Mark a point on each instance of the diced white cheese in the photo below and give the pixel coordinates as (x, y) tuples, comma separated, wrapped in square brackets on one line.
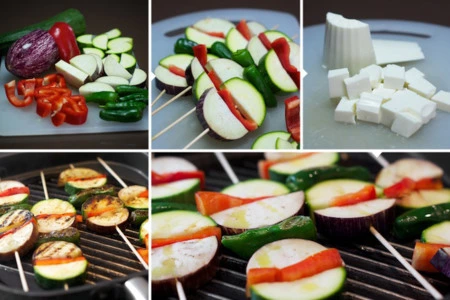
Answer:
[(442, 100), (336, 86), (345, 111), (422, 87), (412, 74), (374, 72), (357, 84), (383, 92), (394, 77), (406, 124), (392, 52), (369, 111), (371, 97)]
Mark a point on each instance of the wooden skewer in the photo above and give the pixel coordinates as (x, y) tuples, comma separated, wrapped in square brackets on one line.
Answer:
[(171, 100), (180, 291), (72, 166), (23, 280), (226, 165), (112, 172), (157, 98), (196, 139), (294, 36), (173, 124)]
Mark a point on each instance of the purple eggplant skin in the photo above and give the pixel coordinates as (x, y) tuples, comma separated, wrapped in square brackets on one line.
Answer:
[(343, 228), (441, 261), (189, 76), (201, 117), (171, 89), (32, 54)]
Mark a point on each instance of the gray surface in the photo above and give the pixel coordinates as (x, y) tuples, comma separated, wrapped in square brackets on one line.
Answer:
[(180, 135), (320, 129)]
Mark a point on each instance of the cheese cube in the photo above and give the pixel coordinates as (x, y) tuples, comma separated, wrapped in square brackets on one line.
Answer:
[(369, 111), (336, 86), (412, 74), (394, 77), (406, 124), (374, 72), (371, 97), (383, 92), (357, 84), (422, 87), (345, 111), (442, 100)]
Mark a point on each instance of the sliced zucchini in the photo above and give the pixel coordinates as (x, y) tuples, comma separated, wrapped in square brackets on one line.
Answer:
[(73, 187), (273, 35), (52, 206), (114, 43), (14, 199), (277, 74), (79, 198), (137, 217), (281, 144), (201, 84), (225, 69), (254, 188), (70, 234), (53, 215), (100, 42), (214, 25), (201, 38), (158, 207), (128, 61), (424, 198), (103, 213), (65, 175), (85, 40), (172, 223), (196, 68), (256, 48), (113, 33), (130, 196), (268, 140), (143, 231), (437, 234), (181, 61), (90, 50), (255, 28), (235, 40)]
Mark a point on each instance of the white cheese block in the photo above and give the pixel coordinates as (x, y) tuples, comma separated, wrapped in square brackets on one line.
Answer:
[(357, 84), (391, 52), (336, 85), (442, 100), (368, 111), (394, 77), (374, 72), (383, 92), (377, 99), (406, 124), (412, 74), (345, 111), (422, 87)]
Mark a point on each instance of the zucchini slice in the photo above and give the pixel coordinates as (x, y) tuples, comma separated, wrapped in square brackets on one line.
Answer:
[(85, 40), (130, 196), (143, 231), (437, 234), (103, 213), (201, 84), (113, 33), (54, 214), (79, 198), (277, 74), (137, 217), (90, 50), (70, 234), (75, 186)]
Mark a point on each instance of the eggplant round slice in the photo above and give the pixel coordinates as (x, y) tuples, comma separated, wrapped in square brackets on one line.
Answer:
[(58, 263), (18, 232), (75, 173), (54, 214), (103, 213), (130, 196)]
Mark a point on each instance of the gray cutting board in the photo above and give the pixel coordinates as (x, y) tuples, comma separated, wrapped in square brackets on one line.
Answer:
[(320, 131), (180, 135), (24, 121)]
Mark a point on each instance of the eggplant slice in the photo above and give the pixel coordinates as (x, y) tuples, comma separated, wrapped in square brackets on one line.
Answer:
[(103, 213)]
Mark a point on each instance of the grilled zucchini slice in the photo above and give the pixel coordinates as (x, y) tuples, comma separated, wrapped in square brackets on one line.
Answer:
[(54, 214), (131, 197)]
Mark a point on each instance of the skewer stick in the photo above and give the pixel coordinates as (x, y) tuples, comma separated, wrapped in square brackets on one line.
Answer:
[(66, 287), (157, 98), (23, 280), (226, 165), (44, 185), (72, 166), (111, 171), (196, 139), (173, 124), (171, 100), (294, 36), (180, 291)]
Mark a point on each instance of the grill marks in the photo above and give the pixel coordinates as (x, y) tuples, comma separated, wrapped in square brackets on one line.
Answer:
[(57, 249), (14, 220)]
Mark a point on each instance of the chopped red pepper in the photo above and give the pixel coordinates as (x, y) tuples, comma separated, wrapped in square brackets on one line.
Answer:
[(177, 71), (365, 194), (248, 124), (144, 194), (209, 203), (56, 216), (10, 90), (422, 255), (158, 179), (265, 41), (143, 253), (86, 178), (243, 29), (26, 87), (282, 49), (54, 80), (216, 34), (400, 189), (58, 119), (65, 39), (15, 191), (292, 116), (201, 52), (429, 184), (203, 233), (75, 109), (57, 261), (264, 165), (215, 79)]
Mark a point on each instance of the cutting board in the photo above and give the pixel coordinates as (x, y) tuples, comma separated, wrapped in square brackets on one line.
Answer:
[(24, 121), (162, 45), (320, 129)]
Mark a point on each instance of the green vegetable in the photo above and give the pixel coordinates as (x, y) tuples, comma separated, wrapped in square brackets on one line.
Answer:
[(158, 207), (243, 57), (246, 243), (124, 90), (303, 180), (102, 98), (413, 222), (138, 216), (70, 234), (184, 46), (141, 97), (221, 50), (122, 115), (125, 105), (79, 198), (7, 209), (71, 16), (254, 76), (262, 69)]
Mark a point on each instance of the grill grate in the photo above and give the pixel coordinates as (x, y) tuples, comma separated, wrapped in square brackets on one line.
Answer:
[(372, 272)]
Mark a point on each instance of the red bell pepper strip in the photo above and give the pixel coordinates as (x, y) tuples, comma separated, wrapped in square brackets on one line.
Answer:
[(86, 178), (203, 233), (215, 79), (265, 41), (215, 34), (264, 165), (282, 49), (54, 80), (292, 117), (144, 194), (65, 39), (10, 90), (243, 29), (177, 71), (422, 255), (75, 109), (15, 191), (58, 119), (260, 275), (100, 211), (209, 203), (429, 184), (56, 216), (57, 261), (201, 52), (400, 189), (248, 124), (26, 87), (158, 179), (365, 194), (144, 254)]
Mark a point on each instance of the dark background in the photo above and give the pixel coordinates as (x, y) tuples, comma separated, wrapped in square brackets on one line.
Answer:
[(434, 11), (131, 17)]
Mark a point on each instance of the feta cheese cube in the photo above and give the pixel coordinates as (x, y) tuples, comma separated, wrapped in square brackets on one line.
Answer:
[(345, 111), (369, 111), (422, 87), (374, 72), (371, 97), (357, 84), (394, 77), (412, 74), (406, 124), (442, 100), (383, 92), (336, 86)]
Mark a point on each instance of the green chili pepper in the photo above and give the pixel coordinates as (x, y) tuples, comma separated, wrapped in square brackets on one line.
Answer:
[(183, 45), (221, 50), (303, 180), (124, 90), (253, 75), (141, 97), (158, 207), (125, 105), (247, 243), (413, 222), (138, 216), (122, 115), (102, 97), (243, 57), (79, 198)]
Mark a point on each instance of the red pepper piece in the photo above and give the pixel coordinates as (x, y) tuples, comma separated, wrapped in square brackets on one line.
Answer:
[(264, 165), (58, 119), (226, 96), (292, 117), (10, 90), (401, 188), (177, 71), (242, 27), (86, 178), (203, 233), (15, 191), (158, 179), (144, 194), (215, 79), (216, 34), (75, 109), (201, 52), (26, 87), (263, 38), (52, 92), (422, 255), (65, 39), (429, 184), (365, 194), (43, 107), (282, 49), (54, 80), (209, 203)]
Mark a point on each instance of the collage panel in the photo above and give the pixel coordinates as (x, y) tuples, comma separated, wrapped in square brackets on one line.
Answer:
[(74, 75), (377, 77), (227, 75)]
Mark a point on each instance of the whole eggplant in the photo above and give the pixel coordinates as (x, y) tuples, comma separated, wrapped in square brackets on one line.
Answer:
[(32, 55)]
